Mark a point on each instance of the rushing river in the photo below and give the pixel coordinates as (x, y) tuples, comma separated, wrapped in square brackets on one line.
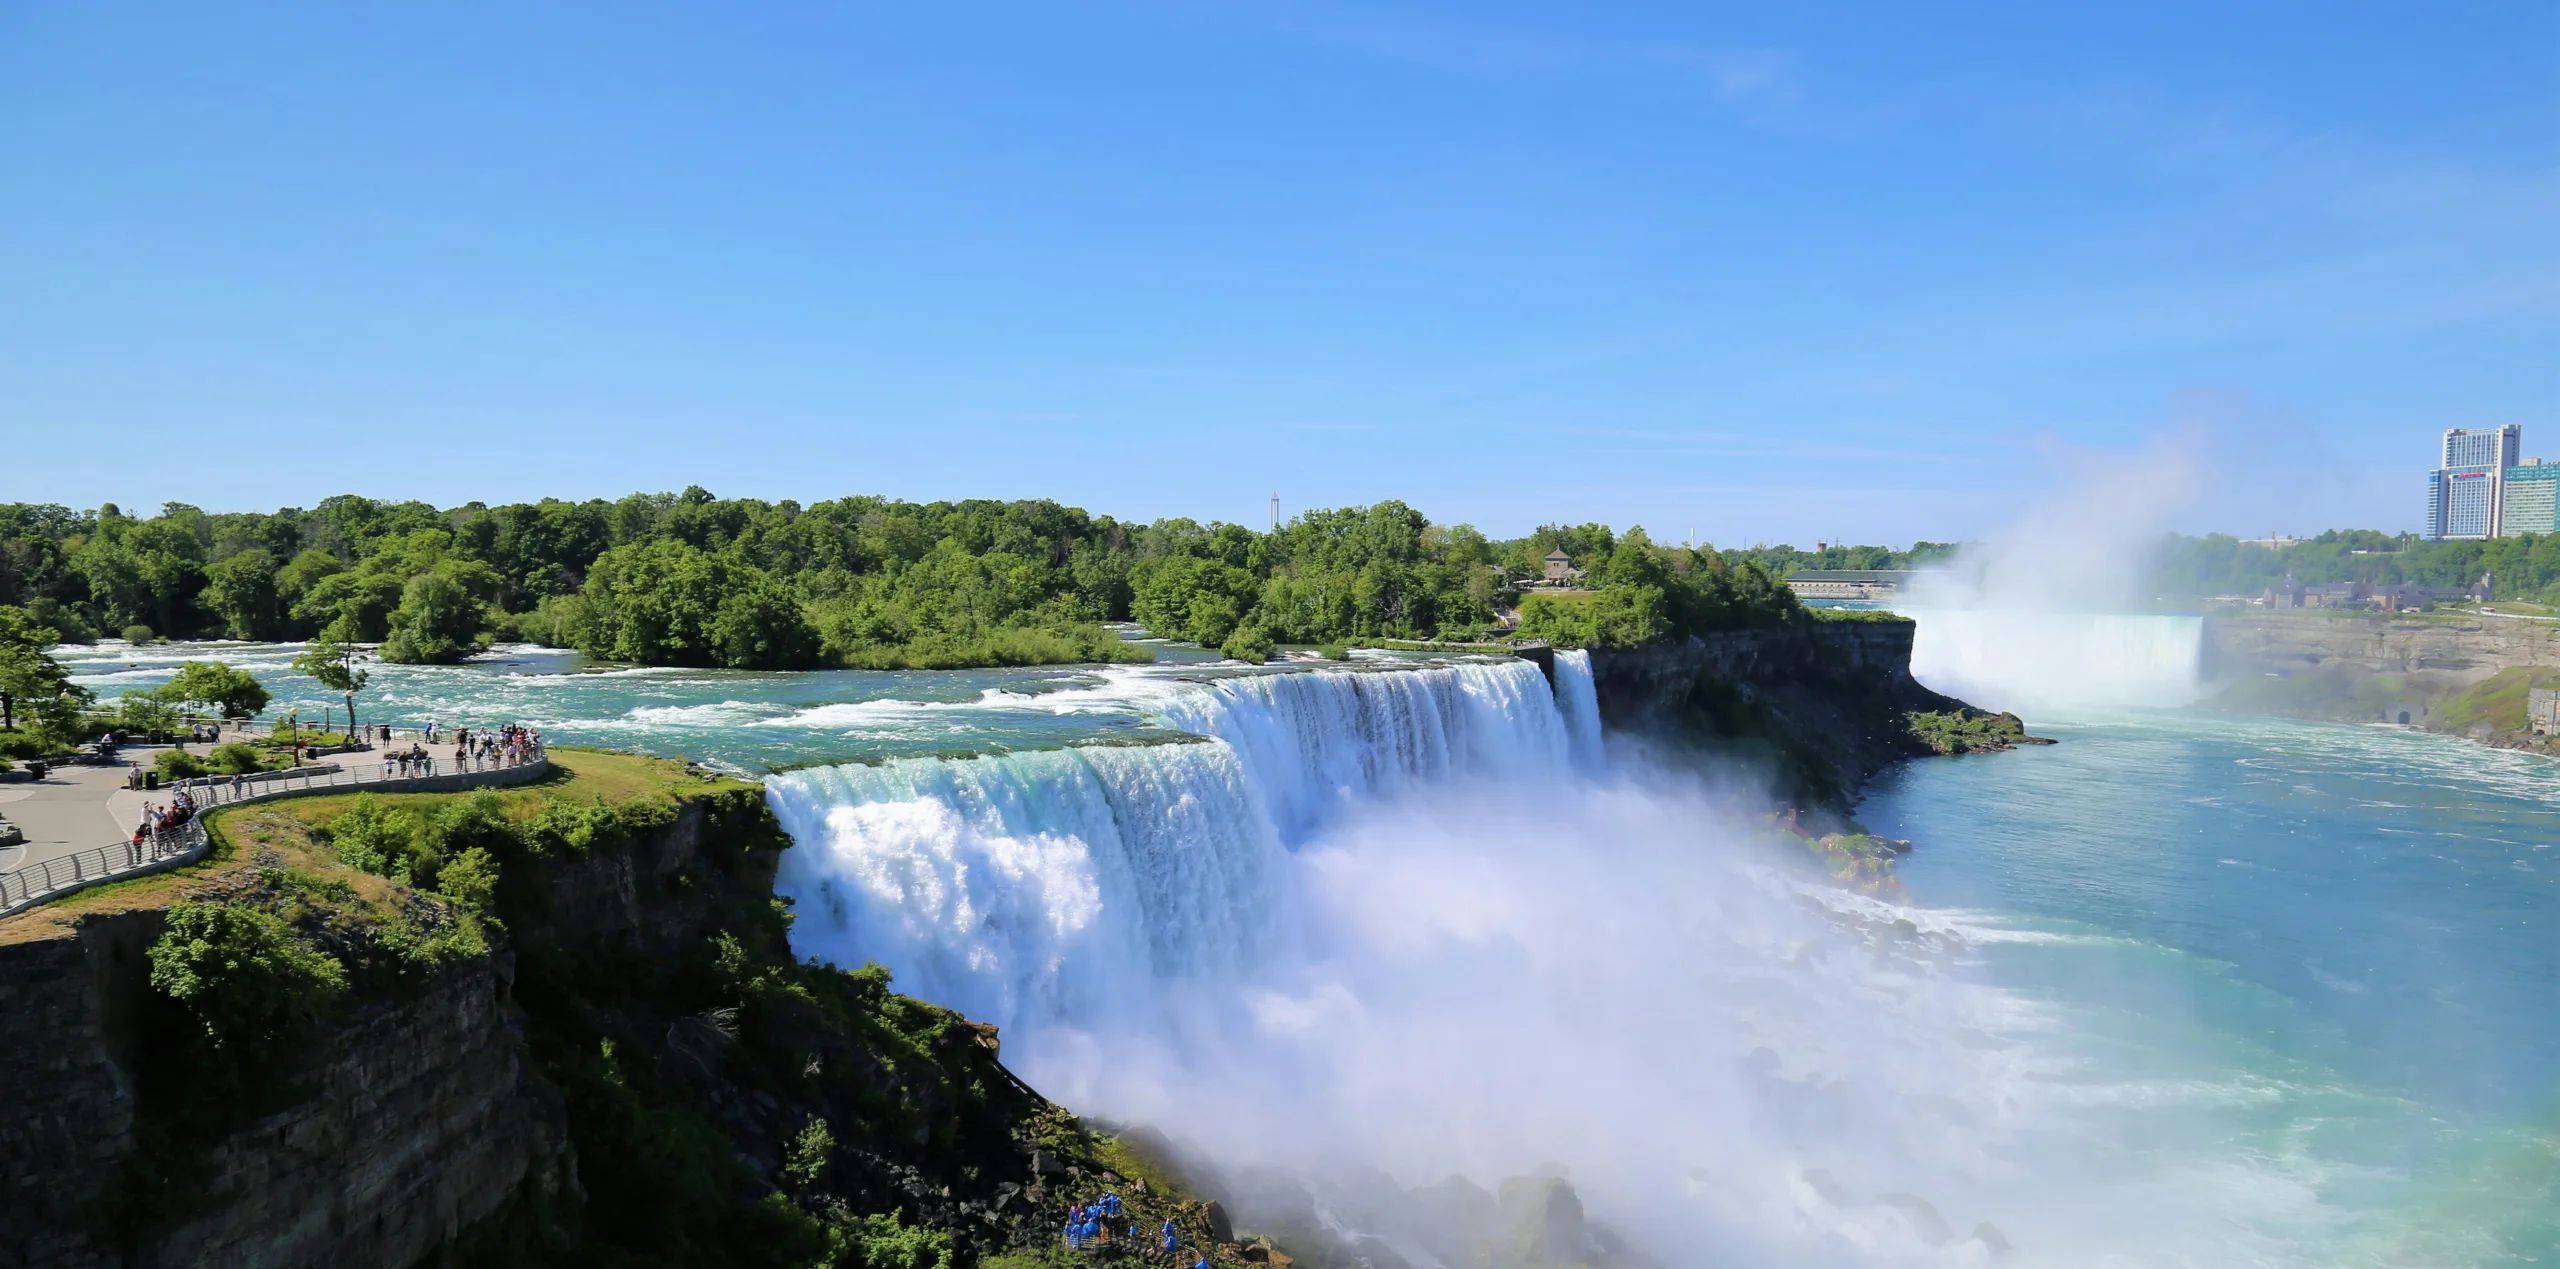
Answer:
[(2181, 990)]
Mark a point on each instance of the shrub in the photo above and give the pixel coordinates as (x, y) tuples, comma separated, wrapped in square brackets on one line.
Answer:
[(235, 758), (1250, 644), (1335, 651), (178, 764), (138, 634), (374, 838), (251, 983), (470, 879)]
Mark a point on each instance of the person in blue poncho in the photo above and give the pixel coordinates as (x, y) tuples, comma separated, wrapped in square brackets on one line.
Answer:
[(1111, 1205), (1171, 1239)]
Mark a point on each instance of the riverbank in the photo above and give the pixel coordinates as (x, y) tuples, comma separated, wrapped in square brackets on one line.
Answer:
[(2462, 674)]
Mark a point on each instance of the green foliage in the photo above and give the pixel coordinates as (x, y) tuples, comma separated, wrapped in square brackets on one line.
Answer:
[(883, 1240), (334, 660), (372, 837), (146, 713), (2184, 567), (1250, 644), (251, 983), (34, 684), (138, 633), (1966, 730), (214, 686), (470, 879), (437, 623), (1335, 651), (235, 758), (178, 764), (811, 1150)]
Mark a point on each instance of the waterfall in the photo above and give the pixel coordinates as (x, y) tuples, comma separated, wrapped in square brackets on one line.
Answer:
[(1058, 885), (2052, 663)]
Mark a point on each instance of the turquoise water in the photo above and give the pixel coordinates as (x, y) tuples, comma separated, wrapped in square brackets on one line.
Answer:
[(2333, 948), (2188, 990)]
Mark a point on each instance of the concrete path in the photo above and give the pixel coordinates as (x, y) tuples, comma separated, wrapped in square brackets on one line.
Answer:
[(66, 812)]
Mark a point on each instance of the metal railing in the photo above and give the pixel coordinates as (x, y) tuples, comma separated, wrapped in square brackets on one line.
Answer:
[(55, 877), (347, 771), (64, 873)]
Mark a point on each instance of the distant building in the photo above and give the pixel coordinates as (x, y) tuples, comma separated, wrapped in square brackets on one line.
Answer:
[(2542, 711), (1560, 569), (2273, 542), (1848, 583), (2463, 493), (2529, 498)]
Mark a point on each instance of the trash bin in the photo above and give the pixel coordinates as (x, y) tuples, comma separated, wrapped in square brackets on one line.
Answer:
[(151, 779), (35, 770)]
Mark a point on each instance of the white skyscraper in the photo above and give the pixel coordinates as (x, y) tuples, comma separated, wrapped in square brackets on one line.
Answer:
[(2463, 495)]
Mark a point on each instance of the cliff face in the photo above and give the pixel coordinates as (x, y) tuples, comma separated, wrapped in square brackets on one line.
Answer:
[(1822, 705), (420, 1118), (2251, 644), (2448, 673)]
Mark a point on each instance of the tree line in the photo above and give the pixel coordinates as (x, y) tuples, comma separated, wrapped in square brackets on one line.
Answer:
[(694, 580)]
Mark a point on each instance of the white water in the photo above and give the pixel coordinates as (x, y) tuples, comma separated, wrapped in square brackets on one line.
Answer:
[(1410, 921), (2058, 663)]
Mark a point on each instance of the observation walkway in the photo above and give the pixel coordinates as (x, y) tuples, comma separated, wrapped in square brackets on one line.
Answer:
[(72, 809)]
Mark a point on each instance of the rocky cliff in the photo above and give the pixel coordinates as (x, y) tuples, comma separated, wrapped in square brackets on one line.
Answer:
[(419, 1116), (1822, 705), (564, 1028), (2460, 673)]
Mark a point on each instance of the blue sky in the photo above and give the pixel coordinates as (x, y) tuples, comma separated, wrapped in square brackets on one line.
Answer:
[(1766, 273)]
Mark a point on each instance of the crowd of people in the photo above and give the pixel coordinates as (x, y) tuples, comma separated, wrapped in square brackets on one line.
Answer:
[(488, 749), (157, 819), (1098, 1224)]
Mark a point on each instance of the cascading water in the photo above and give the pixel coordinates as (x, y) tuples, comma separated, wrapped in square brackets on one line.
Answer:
[(2058, 662), (1406, 920)]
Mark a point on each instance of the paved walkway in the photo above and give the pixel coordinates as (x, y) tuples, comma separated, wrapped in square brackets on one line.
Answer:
[(67, 811)]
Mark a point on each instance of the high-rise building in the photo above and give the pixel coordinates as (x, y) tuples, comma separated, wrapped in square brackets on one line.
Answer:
[(2464, 495), (2529, 499)]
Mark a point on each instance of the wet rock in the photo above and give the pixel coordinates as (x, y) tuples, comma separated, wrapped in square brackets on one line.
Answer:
[(1222, 1229)]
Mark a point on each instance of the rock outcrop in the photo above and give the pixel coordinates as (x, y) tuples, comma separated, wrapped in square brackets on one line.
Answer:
[(1822, 704)]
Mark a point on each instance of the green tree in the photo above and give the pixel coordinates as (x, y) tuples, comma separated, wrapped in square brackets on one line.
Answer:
[(31, 681), (437, 623), (212, 685), (242, 589), (251, 983), (334, 660)]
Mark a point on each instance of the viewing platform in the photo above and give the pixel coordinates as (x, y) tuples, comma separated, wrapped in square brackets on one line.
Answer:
[(78, 821)]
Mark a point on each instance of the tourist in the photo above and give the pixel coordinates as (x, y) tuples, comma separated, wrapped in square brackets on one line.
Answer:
[(1171, 1239)]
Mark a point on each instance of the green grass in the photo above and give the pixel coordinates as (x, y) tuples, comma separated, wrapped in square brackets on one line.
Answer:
[(2498, 700)]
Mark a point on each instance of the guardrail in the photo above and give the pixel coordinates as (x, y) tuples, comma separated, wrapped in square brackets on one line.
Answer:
[(53, 878), (62, 874)]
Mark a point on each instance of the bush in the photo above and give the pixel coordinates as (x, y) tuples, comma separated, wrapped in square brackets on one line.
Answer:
[(374, 838), (235, 758), (1249, 644), (138, 634), (178, 764), (250, 981), (1335, 652)]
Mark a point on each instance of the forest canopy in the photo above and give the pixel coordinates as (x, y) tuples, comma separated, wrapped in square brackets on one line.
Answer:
[(693, 580)]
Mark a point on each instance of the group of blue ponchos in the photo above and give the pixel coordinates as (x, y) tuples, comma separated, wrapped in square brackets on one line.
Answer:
[(1089, 1223)]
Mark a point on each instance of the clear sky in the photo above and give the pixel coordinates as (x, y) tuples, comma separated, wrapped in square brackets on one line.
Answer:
[(1765, 272)]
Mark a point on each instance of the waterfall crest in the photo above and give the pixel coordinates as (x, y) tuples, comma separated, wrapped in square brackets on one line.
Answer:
[(1057, 885)]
